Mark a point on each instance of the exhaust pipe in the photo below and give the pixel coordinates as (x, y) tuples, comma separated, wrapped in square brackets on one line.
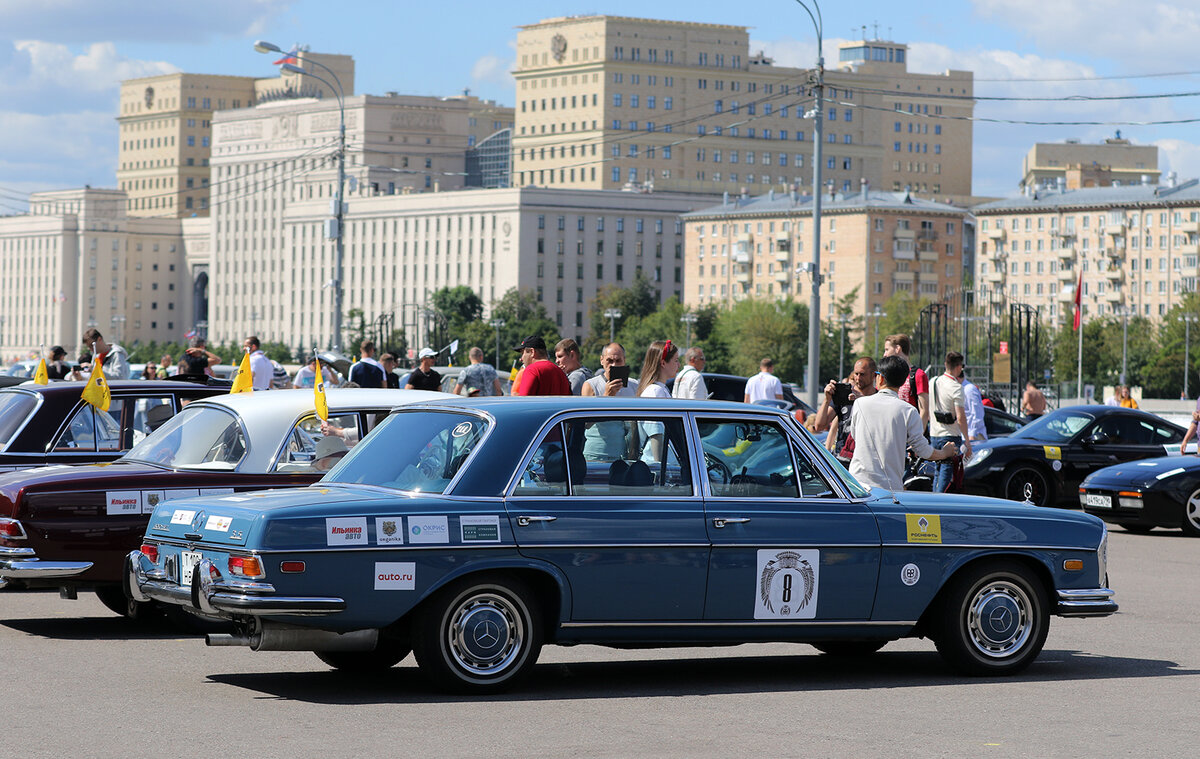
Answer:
[(288, 638)]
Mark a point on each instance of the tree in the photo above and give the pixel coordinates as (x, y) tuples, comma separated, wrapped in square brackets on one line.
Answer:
[(523, 315), (458, 305), (836, 342), (903, 312), (637, 300), (755, 329)]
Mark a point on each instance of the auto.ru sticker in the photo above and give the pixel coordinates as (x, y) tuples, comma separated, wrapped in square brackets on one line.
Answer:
[(395, 575), (1053, 452), (923, 528)]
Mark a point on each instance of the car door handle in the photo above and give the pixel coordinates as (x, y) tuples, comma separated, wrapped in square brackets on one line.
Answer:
[(526, 521), (720, 522)]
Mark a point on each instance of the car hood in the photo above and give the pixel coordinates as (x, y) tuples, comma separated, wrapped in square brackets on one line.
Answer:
[(1142, 474)]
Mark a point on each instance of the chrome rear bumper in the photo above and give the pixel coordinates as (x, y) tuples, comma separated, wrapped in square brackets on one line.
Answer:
[(212, 595), (23, 564), (1093, 602)]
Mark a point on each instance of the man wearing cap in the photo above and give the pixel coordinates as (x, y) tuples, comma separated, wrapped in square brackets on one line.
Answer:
[(541, 376), (424, 377)]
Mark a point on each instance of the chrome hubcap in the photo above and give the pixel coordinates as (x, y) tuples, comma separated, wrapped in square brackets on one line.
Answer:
[(1192, 510), (485, 634), (998, 620)]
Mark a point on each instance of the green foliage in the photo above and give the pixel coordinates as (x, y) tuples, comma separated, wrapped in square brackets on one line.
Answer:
[(459, 306), (636, 301), (523, 315), (903, 312), (755, 329)]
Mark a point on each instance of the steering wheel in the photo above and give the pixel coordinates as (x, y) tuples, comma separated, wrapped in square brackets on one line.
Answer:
[(718, 471)]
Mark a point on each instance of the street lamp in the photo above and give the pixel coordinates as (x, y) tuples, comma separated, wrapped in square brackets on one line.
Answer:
[(689, 319), (497, 323), (263, 46), (612, 314), (878, 315), (1187, 320), (814, 309)]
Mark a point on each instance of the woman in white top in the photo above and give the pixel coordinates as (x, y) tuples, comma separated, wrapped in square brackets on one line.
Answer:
[(661, 365)]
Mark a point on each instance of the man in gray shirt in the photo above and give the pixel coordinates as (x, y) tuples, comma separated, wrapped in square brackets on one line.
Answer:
[(566, 355), (478, 378)]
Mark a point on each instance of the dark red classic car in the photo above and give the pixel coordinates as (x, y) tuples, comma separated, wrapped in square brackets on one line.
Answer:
[(71, 527)]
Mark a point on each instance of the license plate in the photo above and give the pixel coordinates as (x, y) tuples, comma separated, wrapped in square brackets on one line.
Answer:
[(1099, 501), (187, 562)]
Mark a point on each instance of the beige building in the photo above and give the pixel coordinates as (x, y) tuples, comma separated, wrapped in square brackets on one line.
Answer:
[(877, 244), (603, 102), (165, 127), (1076, 165), (77, 259), (1136, 246)]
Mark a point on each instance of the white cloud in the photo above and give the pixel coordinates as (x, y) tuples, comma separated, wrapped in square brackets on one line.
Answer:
[(57, 151), (493, 70), (99, 68), (129, 20), (1179, 156), (1144, 36)]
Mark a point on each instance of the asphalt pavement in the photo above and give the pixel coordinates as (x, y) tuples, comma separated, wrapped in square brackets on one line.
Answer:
[(85, 683)]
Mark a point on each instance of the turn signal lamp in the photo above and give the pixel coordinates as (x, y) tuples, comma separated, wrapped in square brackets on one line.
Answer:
[(1129, 499), (1073, 565), (246, 566), (11, 529), (150, 552)]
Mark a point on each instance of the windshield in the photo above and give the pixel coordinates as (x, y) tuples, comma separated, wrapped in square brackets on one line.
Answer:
[(856, 488), (199, 437), (15, 406), (418, 451), (1058, 427)]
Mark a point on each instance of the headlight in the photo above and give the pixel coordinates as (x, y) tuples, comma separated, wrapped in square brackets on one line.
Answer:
[(977, 457)]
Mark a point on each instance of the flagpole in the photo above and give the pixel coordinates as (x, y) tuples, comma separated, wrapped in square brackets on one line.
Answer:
[(1079, 360)]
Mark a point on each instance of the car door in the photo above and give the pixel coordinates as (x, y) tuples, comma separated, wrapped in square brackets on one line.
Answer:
[(1113, 439), (788, 544), (612, 501)]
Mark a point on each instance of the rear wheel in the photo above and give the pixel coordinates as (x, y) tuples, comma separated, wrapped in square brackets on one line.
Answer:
[(849, 648), (1028, 477), (1191, 515), (113, 596), (386, 654), (479, 635), (992, 619)]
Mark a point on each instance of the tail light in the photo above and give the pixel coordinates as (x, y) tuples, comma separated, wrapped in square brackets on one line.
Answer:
[(11, 529), (246, 566), (150, 552)]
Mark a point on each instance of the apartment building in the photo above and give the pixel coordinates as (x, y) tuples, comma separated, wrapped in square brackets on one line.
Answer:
[(603, 102), (1136, 247), (78, 260), (875, 244), (165, 127), (1076, 165)]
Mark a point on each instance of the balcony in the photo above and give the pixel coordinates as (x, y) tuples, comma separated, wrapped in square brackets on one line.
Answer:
[(744, 239), (994, 276), (904, 276), (1189, 249), (742, 276), (1116, 230), (783, 245), (928, 255), (741, 257), (1114, 275), (1066, 294), (996, 233), (1188, 227), (1065, 254), (1113, 296), (903, 254), (904, 234), (1066, 275), (783, 275), (782, 254), (928, 234), (1068, 233)]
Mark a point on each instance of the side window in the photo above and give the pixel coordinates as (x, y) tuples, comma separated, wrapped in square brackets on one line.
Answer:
[(1163, 435), (627, 456), (546, 473), (747, 459), (301, 448), (93, 430), (149, 414), (1125, 430)]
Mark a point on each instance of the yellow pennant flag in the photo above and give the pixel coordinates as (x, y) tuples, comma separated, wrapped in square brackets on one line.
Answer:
[(41, 376), (96, 391), (319, 394), (512, 375), (243, 381)]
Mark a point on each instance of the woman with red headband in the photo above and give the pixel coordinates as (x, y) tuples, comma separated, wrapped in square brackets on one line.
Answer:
[(660, 366)]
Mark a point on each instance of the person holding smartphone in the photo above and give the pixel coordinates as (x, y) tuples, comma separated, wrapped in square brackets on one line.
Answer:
[(613, 379), (839, 400)]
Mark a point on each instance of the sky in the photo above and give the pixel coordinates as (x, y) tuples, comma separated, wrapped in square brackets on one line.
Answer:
[(61, 63)]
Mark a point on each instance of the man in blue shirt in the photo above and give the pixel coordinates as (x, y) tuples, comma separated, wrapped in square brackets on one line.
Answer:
[(367, 372)]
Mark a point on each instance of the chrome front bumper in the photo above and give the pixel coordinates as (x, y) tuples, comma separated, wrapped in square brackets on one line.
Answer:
[(1093, 602), (212, 595), (23, 564)]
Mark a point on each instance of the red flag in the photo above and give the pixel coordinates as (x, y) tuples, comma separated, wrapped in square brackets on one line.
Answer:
[(1078, 298), (289, 59)]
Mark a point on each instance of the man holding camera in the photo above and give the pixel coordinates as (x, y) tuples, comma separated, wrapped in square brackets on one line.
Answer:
[(839, 400), (949, 423)]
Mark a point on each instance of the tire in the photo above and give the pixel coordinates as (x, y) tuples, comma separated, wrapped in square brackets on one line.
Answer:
[(387, 653), (849, 648), (1191, 515), (1023, 474), (992, 619), (113, 597), (479, 635)]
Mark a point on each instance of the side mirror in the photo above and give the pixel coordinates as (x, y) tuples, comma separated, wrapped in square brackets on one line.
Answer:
[(1099, 438)]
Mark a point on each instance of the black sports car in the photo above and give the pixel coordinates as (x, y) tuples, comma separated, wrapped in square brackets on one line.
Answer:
[(1142, 495), (1052, 455)]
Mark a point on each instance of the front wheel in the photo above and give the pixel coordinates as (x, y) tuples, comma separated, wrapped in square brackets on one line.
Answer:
[(992, 620), (1191, 515), (387, 653), (1028, 479), (479, 635)]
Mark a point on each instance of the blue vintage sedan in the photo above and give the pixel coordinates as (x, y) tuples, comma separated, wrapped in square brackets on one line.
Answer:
[(473, 531)]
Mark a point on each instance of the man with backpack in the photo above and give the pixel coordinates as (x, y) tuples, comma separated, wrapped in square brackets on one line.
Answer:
[(915, 389)]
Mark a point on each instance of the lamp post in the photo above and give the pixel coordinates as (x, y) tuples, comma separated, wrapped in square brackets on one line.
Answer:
[(814, 309), (612, 314), (878, 315), (263, 46), (689, 319), (1124, 341), (497, 324), (1187, 320)]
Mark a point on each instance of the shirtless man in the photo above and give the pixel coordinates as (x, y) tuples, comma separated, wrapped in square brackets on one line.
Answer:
[(1033, 403)]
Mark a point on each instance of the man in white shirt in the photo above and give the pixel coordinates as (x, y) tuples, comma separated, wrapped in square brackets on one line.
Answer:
[(949, 422), (884, 426), (689, 383), (765, 384), (260, 366), (973, 403)]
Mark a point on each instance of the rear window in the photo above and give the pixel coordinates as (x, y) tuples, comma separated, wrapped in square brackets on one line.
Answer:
[(196, 438), (15, 407), (419, 451)]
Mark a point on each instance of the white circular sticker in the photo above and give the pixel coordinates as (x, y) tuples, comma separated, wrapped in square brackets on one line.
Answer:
[(909, 574), (1056, 465), (461, 429)]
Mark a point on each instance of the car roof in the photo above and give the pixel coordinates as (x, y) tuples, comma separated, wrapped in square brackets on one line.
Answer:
[(140, 386)]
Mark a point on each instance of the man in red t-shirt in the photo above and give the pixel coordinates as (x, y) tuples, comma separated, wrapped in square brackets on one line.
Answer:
[(915, 389), (541, 375)]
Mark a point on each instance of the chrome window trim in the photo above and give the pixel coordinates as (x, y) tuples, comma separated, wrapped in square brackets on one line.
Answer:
[(993, 546), (231, 548), (236, 469), (40, 400), (560, 417)]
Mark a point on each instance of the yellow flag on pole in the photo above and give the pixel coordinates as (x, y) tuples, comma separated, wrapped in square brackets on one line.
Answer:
[(243, 381), (41, 376), (96, 391), (319, 394)]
